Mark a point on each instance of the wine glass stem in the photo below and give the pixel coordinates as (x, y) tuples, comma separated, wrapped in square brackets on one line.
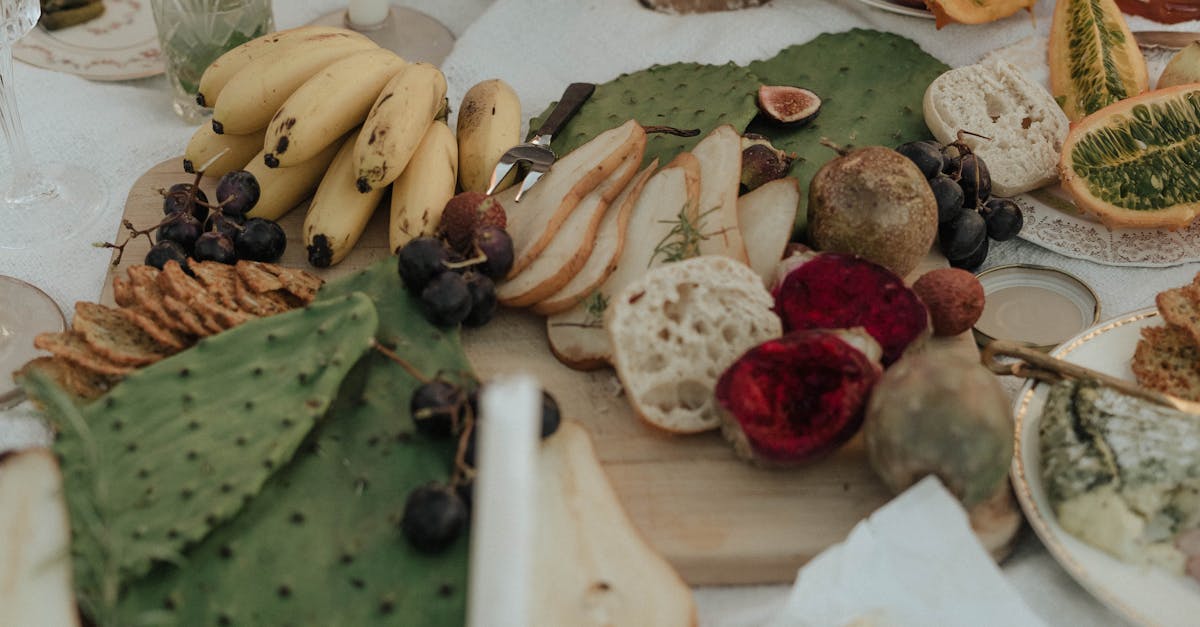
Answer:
[(24, 178)]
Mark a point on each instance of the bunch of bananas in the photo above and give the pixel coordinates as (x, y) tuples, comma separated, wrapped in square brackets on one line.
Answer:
[(324, 112)]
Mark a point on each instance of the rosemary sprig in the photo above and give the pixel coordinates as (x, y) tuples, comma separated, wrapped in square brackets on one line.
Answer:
[(683, 240), (596, 304)]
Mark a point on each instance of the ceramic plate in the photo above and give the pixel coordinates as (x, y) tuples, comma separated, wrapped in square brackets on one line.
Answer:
[(896, 7), (120, 45), (1144, 595)]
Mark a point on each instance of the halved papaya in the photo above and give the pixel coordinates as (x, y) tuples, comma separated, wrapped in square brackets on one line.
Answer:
[(1136, 163), (1094, 60), (975, 11)]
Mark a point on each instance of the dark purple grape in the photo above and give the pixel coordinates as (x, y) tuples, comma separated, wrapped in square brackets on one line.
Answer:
[(961, 236), (951, 156), (183, 229), (973, 260), (165, 251), (420, 260), (483, 299), (214, 246), (975, 181), (465, 489), (237, 191), (1003, 217), (497, 246), (438, 407), (551, 417), (260, 240), (177, 197), (434, 517), (926, 154), (949, 197), (228, 223), (446, 301)]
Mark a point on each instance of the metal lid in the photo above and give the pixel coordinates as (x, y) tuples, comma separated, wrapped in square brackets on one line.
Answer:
[(1036, 306)]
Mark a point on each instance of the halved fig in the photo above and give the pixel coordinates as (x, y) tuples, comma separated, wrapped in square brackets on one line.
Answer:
[(788, 105), (842, 291), (796, 398)]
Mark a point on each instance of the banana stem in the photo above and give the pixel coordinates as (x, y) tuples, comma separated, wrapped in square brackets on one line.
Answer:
[(25, 183)]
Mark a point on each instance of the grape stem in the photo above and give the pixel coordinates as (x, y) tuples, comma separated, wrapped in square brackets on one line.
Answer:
[(408, 367)]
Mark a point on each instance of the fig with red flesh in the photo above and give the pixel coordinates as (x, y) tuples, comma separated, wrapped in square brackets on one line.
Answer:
[(796, 398), (842, 291), (788, 105)]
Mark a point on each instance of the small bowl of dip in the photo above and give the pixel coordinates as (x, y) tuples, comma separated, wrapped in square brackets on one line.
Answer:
[(1037, 306)]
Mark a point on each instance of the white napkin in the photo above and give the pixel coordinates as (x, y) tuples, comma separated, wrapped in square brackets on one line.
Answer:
[(913, 563)]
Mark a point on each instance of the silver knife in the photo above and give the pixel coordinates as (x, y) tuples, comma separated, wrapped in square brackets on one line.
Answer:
[(1164, 38)]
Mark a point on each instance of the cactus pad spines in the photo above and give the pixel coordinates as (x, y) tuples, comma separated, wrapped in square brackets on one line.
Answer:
[(682, 95), (321, 544)]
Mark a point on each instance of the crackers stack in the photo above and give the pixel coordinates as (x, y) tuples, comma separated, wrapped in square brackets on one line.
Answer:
[(160, 313), (1167, 358)]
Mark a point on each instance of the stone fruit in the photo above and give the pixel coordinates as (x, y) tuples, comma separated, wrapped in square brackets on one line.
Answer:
[(1094, 59), (875, 203), (838, 291), (785, 104), (954, 298), (1183, 68), (793, 399)]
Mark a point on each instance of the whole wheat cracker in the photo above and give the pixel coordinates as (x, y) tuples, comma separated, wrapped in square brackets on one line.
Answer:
[(83, 383), (122, 292), (187, 317), (219, 279), (114, 336), (1168, 360), (172, 340), (175, 282), (149, 299), (1180, 307), (299, 283), (260, 304), (255, 276), (72, 347)]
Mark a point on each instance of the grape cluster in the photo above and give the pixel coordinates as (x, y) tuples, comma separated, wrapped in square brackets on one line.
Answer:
[(436, 513), (968, 214), (195, 229)]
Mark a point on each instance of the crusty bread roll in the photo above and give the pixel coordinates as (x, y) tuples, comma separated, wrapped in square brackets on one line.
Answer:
[(1027, 128), (675, 330)]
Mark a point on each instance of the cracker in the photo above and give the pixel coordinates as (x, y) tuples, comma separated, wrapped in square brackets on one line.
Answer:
[(122, 292), (214, 314), (1167, 359), (219, 279), (296, 282), (114, 336), (264, 304), (186, 317), (171, 339), (175, 282), (256, 277), (83, 383), (72, 347), (149, 299)]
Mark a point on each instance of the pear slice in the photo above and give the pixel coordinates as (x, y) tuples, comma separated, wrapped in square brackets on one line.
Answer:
[(1182, 69), (570, 247), (766, 216), (35, 555), (533, 222), (592, 567), (720, 156), (610, 241), (577, 336)]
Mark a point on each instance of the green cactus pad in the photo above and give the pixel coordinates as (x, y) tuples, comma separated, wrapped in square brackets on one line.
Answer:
[(180, 446), (681, 95), (871, 84), (321, 544)]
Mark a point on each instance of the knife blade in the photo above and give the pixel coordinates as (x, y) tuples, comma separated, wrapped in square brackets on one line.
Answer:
[(1164, 38)]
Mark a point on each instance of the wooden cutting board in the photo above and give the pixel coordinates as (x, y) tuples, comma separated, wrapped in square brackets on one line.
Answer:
[(717, 519)]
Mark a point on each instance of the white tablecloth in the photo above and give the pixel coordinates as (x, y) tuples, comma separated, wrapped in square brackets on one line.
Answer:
[(122, 129)]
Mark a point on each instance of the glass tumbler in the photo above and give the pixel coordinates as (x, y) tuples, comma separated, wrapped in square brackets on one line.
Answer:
[(193, 33)]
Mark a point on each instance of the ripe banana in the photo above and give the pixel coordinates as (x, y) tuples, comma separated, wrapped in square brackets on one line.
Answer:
[(396, 124), (489, 122), (423, 189), (285, 188), (339, 212), (328, 105), (205, 145), (257, 91), (220, 71)]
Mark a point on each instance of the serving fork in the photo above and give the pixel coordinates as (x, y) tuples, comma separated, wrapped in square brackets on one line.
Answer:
[(536, 154)]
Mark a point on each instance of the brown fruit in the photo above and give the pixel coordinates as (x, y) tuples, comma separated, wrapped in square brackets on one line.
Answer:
[(460, 219), (954, 298)]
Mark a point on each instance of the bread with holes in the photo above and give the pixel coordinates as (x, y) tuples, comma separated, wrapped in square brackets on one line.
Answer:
[(676, 329)]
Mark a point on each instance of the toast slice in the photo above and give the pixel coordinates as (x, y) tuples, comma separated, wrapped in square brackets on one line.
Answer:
[(35, 549), (720, 156), (610, 240), (1167, 359), (767, 216), (671, 196), (568, 251), (533, 222)]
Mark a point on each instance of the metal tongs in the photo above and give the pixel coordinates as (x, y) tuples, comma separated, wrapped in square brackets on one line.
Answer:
[(536, 154), (1034, 364)]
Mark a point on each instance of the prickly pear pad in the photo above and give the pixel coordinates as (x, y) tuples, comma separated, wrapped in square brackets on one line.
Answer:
[(179, 447), (321, 544)]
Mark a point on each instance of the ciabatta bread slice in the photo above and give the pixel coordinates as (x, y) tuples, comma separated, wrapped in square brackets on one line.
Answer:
[(675, 330), (720, 156), (570, 247), (533, 222), (610, 240), (577, 336), (994, 99), (767, 216)]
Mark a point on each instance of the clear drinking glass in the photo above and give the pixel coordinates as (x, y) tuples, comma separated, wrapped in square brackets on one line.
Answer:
[(193, 33)]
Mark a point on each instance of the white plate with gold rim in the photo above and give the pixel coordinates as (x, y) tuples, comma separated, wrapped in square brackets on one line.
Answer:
[(1144, 595), (120, 45)]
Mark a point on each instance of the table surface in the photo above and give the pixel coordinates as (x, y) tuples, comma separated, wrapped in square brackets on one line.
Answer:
[(119, 130)]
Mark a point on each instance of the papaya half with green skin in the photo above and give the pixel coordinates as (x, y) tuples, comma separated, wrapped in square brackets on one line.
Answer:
[(1094, 59), (1136, 163), (975, 11)]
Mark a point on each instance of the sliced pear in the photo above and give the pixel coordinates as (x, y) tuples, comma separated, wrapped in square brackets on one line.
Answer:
[(1183, 68), (766, 216), (35, 554), (533, 222), (720, 156), (592, 567), (577, 336)]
